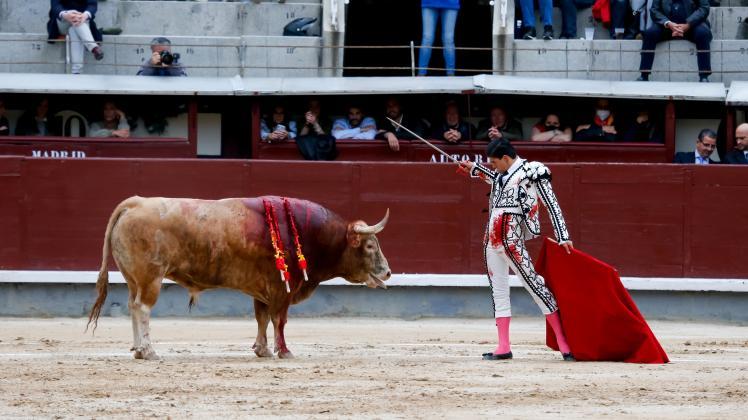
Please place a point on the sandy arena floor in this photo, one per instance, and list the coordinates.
(358, 367)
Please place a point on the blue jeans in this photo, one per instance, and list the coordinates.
(429, 17)
(528, 12)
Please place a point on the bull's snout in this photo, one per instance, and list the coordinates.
(387, 275)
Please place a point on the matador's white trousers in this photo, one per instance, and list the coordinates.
(505, 249)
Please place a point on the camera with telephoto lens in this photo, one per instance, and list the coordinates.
(167, 58)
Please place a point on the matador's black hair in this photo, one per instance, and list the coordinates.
(499, 148)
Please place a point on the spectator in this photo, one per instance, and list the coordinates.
(4, 124)
(34, 122)
(705, 145)
(390, 132)
(643, 129)
(678, 19)
(313, 122)
(549, 128)
(498, 125)
(75, 18)
(163, 62)
(452, 129)
(740, 154)
(569, 9)
(623, 19)
(601, 128)
(114, 123)
(278, 127)
(356, 126)
(431, 11)
(528, 18)
(314, 141)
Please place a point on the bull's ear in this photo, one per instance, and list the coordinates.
(354, 239)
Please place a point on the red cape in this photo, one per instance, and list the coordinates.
(601, 321)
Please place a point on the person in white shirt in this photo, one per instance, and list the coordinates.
(356, 126)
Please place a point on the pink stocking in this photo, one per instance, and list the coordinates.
(555, 320)
(502, 326)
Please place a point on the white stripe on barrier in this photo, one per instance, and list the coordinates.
(408, 280)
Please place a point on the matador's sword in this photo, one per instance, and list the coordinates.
(443, 153)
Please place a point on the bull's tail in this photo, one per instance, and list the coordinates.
(102, 284)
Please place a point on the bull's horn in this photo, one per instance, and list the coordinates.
(373, 230)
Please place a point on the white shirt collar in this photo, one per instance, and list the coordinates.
(517, 162)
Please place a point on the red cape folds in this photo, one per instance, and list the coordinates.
(601, 321)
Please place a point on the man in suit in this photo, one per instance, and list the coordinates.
(75, 18)
(739, 155)
(705, 146)
(678, 19)
(392, 133)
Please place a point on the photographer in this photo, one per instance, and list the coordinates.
(277, 127)
(163, 62)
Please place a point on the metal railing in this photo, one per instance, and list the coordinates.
(188, 49)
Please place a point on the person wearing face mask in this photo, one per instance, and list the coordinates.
(550, 129)
(518, 187)
(602, 127)
(643, 129)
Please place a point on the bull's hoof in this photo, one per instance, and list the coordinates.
(145, 354)
(262, 351)
(285, 354)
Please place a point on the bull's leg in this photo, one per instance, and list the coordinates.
(279, 319)
(145, 299)
(263, 319)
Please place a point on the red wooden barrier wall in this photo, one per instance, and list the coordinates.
(647, 220)
(415, 151)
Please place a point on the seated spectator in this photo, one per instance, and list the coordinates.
(452, 129)
(163, 62)
(75, 18)
(545, 7)
(314, 141)
(390, 132)
(498, 125)
(34, 122)
(740, 154)
(278, 127)
(705, 146)
(549, 128)
(4, 124)
(114, 123)
(356, 126)
(643, 129)
(601, 128)
(678, 19)
(314, 122)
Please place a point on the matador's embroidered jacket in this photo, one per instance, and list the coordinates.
(520, 192)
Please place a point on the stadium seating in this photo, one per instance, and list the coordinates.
(214, 38)
(245, 38)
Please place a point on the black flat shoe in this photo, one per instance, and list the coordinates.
(491, 356)
(568, 357)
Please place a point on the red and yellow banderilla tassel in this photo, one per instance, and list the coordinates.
(297, 242)
(280, 261)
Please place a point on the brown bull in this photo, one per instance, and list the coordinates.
(204, 244)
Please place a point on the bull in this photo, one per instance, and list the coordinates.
(206, 244)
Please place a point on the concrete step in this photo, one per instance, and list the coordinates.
(262, 56)
(619, 60)
(729, 23)
(171, 18)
